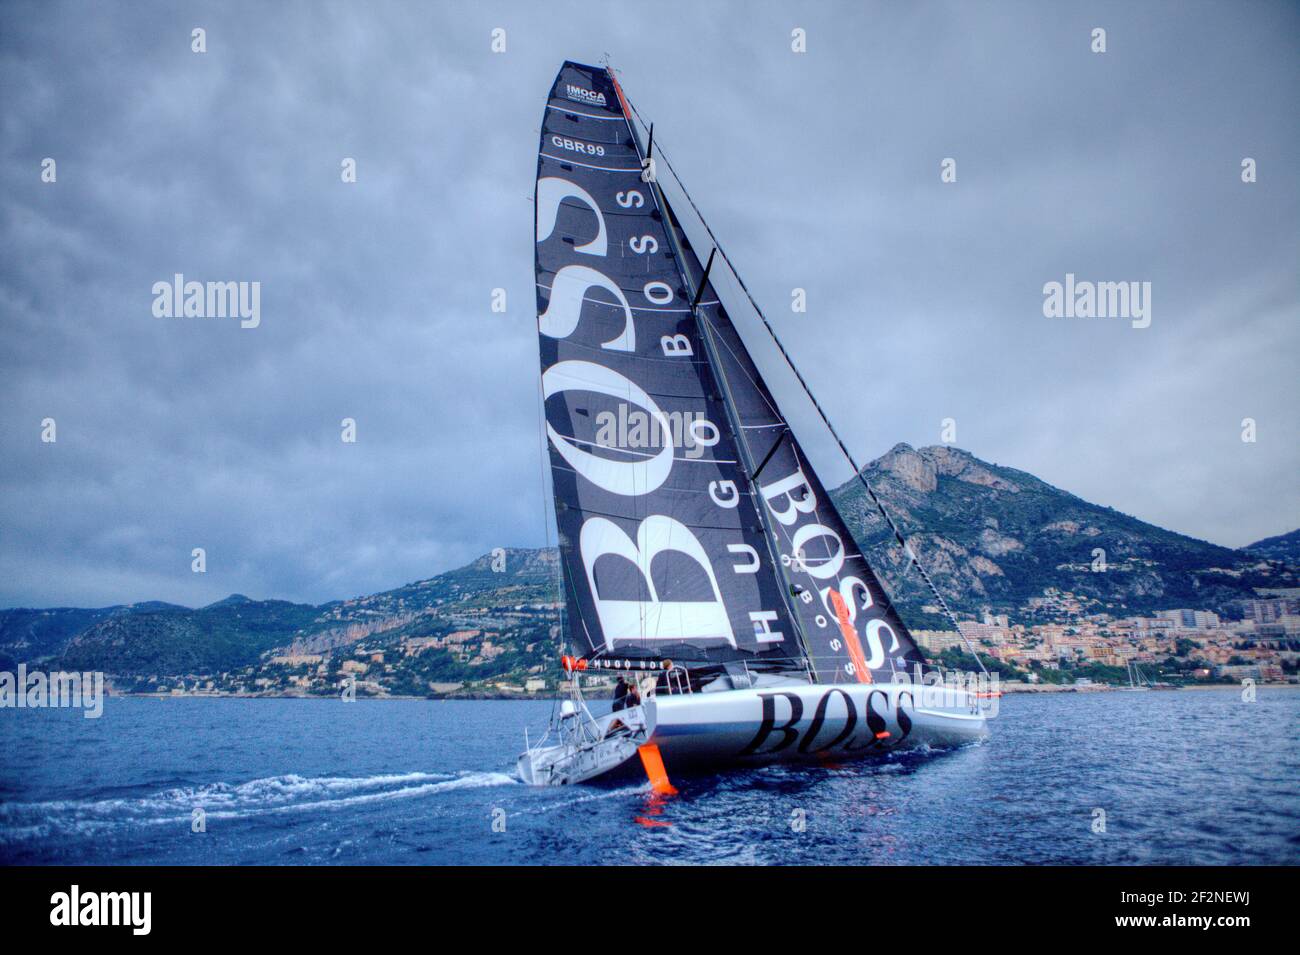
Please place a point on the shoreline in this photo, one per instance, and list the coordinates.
(1029, 688)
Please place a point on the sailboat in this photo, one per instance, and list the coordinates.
(1140, 683)
(701, 559)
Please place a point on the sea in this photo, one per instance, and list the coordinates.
(1112, 778)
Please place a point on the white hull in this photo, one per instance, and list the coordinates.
(796, 723)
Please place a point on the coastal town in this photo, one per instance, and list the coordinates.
(1057, 642)
(1062, 639)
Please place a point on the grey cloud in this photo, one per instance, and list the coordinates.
(818, 171)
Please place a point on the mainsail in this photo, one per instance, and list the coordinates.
(691, 525)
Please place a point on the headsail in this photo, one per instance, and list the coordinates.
(661, 543)
(848, 625)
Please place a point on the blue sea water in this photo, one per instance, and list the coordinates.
(1187, 777)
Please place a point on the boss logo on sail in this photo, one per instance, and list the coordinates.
(585, 96)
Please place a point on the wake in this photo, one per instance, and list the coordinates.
(21, 822)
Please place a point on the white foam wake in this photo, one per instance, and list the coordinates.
(291, 793)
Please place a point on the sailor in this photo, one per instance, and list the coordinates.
(633, 694)
(621, 691)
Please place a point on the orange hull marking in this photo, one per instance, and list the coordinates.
(653, 762)
(850, 637)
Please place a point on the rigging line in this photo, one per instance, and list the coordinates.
(776, 412)
(780, 529)
(787, 432)
(768, 457)
(561, 601)
(898, 535)
(582, 620)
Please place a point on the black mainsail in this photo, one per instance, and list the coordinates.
(691, 525)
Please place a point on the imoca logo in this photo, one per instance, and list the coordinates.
(585, 96)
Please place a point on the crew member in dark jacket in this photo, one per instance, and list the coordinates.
(621, 690)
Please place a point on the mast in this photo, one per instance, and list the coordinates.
(696, 294)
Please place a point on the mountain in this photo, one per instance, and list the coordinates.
(498, 612)
(33, 634)
(993, 538)
(164, 638)
(1283, 547)
(500, 581)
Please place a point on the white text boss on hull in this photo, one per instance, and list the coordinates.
(700, 553)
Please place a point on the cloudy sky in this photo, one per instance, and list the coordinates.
(818, 170)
